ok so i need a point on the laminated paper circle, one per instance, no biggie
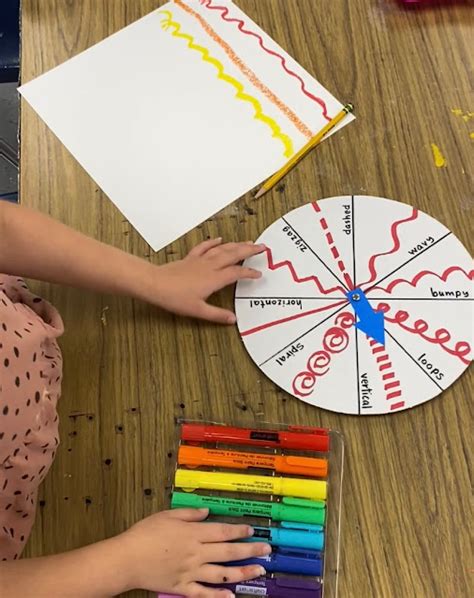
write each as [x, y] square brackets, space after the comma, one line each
[299, 326]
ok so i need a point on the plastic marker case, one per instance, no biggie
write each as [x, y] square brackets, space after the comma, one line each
[285, 481]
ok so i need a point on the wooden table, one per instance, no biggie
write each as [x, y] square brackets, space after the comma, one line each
[130, 371]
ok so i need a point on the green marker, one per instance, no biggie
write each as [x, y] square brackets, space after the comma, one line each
[299, 510]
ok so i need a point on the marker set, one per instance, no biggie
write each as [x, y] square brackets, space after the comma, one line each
[284, 481]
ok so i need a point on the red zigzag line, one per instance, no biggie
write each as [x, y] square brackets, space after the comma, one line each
[272, 266]
[420, 275]
[396, 245]
[240, 24]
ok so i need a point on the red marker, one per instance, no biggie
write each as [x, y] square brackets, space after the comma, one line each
[311, 439]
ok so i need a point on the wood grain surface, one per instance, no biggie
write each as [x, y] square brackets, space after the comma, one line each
[130, 370]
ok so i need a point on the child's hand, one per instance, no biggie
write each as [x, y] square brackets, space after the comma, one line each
[173, 551]
[183, 287]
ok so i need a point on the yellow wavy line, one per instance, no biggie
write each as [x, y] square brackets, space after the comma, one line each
[168, 22]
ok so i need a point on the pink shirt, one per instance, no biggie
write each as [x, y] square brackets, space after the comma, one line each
[30, 386]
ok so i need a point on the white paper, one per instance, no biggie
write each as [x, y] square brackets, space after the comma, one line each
[298, 325]
[164, 137]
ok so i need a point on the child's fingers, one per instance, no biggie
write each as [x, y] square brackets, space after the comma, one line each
[187, 514]
[234, 273]
[204, 247]
[235, 551]
[225, 532]
[219, 574]
[233, 253]
[215, 314]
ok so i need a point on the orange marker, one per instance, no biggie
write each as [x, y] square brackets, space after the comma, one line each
[194, 456]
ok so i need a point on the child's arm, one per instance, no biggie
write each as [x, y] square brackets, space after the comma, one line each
[35, 246]
[168, 552]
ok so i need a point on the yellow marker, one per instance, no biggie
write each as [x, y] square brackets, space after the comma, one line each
[273, 180]
[231, 482]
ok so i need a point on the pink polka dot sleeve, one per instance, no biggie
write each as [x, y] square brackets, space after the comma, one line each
[30, 386]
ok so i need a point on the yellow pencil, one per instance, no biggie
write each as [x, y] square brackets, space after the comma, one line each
[273, 180]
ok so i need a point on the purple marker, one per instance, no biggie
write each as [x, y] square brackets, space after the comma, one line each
[277, 587]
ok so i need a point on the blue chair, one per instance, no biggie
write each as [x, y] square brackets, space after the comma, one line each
[9, 40]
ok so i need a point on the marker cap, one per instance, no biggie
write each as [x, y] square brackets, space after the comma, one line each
[193, 432]
[304, 466]
[314, 489]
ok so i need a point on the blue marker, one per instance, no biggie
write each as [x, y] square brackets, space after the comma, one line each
[293, 535]
[298, 561]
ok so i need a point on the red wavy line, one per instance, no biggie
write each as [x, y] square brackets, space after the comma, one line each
[272, 266]
[396, 245]
[289, 318]
[240, 25]
[420, 275]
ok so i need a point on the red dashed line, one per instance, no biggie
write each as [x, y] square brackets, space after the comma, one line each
[392, 388]
[348, 281]
[334, 251]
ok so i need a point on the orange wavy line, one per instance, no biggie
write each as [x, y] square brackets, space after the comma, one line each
[251, 76]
